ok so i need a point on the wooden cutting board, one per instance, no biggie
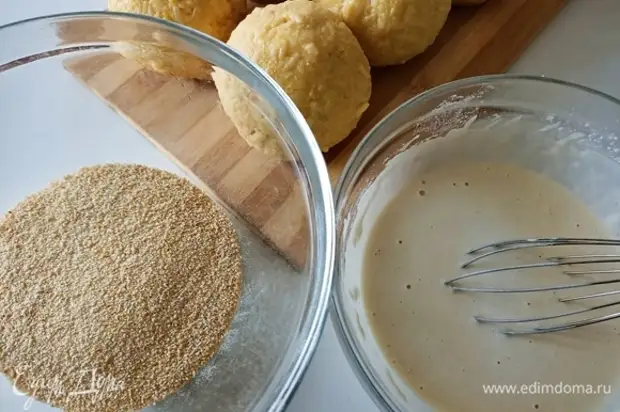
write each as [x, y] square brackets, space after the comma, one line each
[184, 119]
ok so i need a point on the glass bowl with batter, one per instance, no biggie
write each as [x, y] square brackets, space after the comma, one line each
[466, 164]
[69, 99]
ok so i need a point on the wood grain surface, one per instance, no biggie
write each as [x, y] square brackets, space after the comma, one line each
[184, 119]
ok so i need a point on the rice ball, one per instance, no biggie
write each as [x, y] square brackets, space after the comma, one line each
[213, 17]
[311, 53]
[392, 31]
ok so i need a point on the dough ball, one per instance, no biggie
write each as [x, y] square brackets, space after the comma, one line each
[214, 17]
[392, 31]
[314, 57]
[467, 2]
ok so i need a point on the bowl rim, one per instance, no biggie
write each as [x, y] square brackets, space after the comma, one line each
[321, 209]
[356, 162]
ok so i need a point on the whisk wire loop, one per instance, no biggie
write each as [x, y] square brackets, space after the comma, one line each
[483, 252]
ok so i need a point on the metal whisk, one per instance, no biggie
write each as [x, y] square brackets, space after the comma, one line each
[479, 254]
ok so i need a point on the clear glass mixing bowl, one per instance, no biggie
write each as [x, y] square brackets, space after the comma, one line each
[67, 100]
[567, 132]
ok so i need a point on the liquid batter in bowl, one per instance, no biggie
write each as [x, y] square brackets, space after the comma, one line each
[426, 331]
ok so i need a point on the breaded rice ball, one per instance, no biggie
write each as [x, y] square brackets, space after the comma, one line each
[392, 31]
[214, 17]
[314, 57]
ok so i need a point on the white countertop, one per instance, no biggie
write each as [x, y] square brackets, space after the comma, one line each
[582, 45]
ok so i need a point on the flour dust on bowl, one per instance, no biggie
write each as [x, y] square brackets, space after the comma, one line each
[149, 258]
[466, 164]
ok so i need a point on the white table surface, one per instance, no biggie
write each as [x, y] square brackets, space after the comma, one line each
[582, 45]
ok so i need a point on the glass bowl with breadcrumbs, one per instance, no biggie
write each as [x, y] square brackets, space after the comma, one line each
[154, 253]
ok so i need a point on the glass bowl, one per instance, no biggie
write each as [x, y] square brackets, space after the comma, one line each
[564, 131]
[69, 100]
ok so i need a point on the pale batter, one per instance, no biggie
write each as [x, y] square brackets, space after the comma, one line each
[426, 331]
